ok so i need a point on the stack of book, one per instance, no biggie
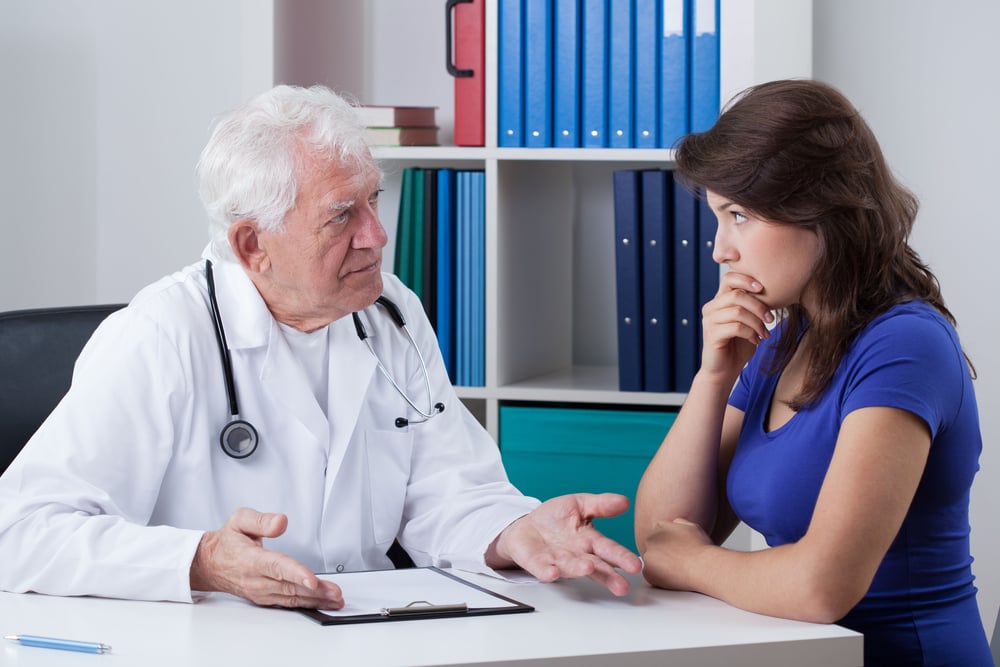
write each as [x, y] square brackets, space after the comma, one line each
[400, 126]
[441, 255]
[606, 73]
[664, 237]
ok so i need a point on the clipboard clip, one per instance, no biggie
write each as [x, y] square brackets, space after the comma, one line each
[425, 608]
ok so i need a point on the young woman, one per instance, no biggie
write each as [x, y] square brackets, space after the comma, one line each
[834, 410]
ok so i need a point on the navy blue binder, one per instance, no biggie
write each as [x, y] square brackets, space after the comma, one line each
[686, 311]
[594, 74]
[510, 74]
[628, 279]
[621, 41]
[657, 278]
[566, 74]
[708, 269]
[537, 74]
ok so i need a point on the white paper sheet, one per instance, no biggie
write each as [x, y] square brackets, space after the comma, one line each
[371, 592]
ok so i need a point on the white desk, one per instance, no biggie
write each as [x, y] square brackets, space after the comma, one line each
[575, 623]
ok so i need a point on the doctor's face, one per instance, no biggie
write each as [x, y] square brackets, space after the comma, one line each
[327, 261]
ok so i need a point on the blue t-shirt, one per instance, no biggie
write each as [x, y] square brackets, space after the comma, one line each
[921, 608]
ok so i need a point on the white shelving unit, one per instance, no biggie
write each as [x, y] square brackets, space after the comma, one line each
[550, 281]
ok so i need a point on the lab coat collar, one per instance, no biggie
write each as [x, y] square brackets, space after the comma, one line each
[249, 324]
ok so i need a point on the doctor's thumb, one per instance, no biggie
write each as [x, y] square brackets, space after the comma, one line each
[258, 524]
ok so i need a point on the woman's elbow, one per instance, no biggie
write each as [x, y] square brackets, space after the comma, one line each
[827, 599]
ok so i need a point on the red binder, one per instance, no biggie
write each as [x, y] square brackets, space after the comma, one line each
[467, 68]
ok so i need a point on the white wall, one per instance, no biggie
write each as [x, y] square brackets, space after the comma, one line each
[924, 76]
[106, 106]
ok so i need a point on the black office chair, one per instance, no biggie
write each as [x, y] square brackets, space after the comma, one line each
[38, 348]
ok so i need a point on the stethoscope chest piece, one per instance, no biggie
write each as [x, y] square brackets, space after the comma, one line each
[239, 439]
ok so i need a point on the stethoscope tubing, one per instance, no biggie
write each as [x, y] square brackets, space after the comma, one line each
[247, 444]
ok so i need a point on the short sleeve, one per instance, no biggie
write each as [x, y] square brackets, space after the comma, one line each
[911, 361]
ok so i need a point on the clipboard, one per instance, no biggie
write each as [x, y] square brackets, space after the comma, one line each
[409, 594]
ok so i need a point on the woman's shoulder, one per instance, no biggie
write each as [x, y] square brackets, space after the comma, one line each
[913, 322]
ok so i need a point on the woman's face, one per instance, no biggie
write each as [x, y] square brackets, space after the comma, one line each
[780, 257]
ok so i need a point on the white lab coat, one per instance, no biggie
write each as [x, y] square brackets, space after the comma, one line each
[112, 494]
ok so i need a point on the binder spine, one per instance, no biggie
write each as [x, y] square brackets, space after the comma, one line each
[510, 78]
[538, 73]
[566, 74]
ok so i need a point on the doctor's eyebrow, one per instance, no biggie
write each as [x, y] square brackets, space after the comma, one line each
[340, 205]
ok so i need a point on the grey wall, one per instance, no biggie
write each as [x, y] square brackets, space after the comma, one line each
[924, 74]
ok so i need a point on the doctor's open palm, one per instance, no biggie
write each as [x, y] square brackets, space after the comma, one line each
[233, 560]
[557, 540]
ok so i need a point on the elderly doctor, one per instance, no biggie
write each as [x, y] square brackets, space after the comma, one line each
[139, 485]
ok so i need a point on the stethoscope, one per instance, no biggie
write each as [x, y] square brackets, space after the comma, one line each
[239, 438]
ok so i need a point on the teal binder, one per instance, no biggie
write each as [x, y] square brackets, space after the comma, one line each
[550, 452]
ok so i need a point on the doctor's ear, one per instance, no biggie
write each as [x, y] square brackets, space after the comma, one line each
[244, 239]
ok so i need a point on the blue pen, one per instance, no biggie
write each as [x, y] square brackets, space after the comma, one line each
[64, 644]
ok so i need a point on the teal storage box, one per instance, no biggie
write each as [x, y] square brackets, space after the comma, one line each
[551, 451]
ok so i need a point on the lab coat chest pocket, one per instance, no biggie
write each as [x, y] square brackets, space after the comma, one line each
[388, 456]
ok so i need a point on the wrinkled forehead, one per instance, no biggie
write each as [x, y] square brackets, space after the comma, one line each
[358, 162]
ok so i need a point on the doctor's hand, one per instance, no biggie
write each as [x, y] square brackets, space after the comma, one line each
[557, 540]
[233, 560]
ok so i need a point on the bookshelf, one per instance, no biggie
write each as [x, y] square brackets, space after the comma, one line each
[550, 279]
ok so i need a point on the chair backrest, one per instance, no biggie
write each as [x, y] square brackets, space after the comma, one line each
[38, 349]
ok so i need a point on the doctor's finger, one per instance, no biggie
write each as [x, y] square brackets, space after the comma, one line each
[616, 555]
[611, 579]
[267, 592]
[601, 505]
[594, 568]
[285, 569]
[257, 524]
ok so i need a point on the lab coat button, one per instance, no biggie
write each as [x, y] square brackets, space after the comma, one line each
[340, 568]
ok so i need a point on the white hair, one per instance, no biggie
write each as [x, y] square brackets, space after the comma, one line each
[249, 167]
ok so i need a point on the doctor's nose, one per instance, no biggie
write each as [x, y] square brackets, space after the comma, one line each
[371, 233]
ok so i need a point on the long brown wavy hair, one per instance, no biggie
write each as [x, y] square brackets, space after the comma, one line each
[797, 152]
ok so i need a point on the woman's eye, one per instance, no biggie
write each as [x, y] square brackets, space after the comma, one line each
[738, 217]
